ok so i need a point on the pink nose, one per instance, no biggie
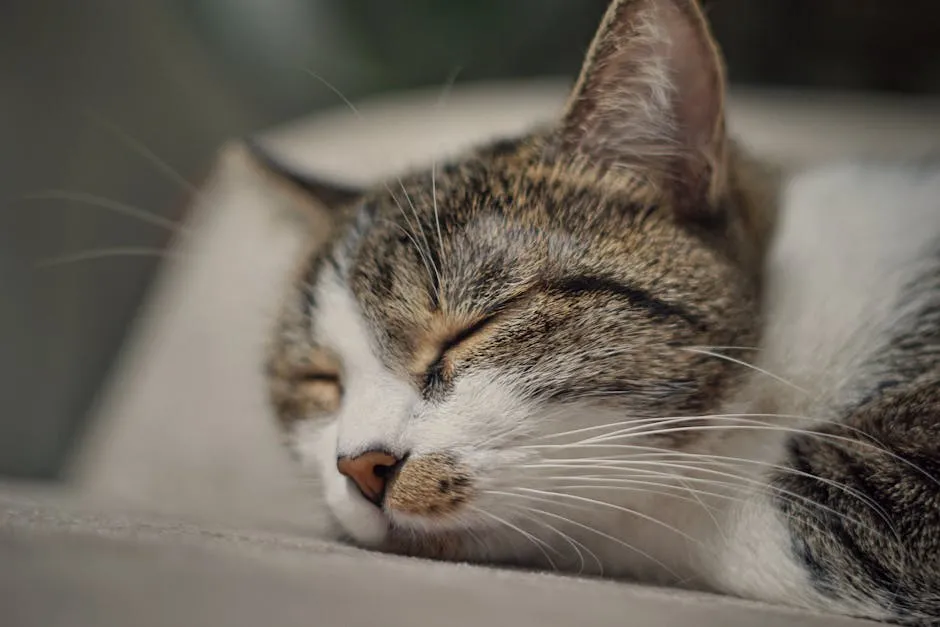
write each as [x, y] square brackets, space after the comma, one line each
[370, 472]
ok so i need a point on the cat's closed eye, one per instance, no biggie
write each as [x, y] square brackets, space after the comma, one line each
[323, 387]
[441, 367]
[458, 341]
[310, 388]
[319, 379]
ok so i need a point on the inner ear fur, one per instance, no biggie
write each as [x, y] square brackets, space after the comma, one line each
[651, 96]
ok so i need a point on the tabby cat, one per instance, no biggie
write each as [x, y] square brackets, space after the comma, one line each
[618, 346]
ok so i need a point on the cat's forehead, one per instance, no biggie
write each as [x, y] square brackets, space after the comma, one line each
[468, 232]
[436, 250]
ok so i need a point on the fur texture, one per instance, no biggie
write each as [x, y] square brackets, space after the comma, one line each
[577, 346]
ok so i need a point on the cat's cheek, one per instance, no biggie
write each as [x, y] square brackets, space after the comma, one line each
[360, 519]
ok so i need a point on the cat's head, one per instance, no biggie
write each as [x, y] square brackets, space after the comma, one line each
[470, 329]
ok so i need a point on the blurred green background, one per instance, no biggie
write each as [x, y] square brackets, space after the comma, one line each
[182, 76]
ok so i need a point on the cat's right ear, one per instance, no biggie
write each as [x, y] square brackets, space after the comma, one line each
[651, 96]
[314, 193]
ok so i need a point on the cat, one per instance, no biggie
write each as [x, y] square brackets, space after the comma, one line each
[620, 346]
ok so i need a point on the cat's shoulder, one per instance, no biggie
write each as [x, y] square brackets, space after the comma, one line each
[890, 188]
[852, 239]
[882, 210]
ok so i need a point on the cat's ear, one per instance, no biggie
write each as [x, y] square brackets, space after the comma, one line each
[311, 191]
[651, 95]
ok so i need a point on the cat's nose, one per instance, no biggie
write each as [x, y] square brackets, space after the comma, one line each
[370, 472]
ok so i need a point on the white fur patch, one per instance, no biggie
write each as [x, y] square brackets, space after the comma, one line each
[358, 517]
[851, 238]
[376, 404]
[755, 559]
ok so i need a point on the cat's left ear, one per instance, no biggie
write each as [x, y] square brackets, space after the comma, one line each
[651, 96]
[318, 193]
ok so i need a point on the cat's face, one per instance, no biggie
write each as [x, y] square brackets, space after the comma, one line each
[471, 330]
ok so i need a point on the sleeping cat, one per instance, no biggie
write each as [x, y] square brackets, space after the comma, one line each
[619, 346]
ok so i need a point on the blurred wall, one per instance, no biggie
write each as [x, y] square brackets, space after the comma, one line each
[132, 64]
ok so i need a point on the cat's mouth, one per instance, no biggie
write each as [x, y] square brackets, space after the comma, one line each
[428, 487]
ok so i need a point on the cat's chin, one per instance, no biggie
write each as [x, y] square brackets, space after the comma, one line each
[358, 518]
[363, 524]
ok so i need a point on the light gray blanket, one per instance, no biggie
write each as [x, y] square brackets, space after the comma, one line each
[62, 566]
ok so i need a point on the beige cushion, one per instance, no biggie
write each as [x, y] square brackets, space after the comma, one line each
[63, 566]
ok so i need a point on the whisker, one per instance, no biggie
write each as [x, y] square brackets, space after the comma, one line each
[333, 89]
[656, 452]
[737, 480]
[590, 529]
[501, 435]
[635, 485]
[697, 496]
[740, 420]
[437, 222]
[537, 542]
[448, 86]
[442, 98]
[414, 242]
[137, 146]
[494, 534]
[427, 243]
[626, 510]
[640, 477]
[473, 534]
[102, 253]
[867, 442]
[797, 500]
[634, 424]
[429, 263]
[584, 547]
[104, 203]
[699, 460]
[574, 544]
[741, 362]
[434, 277]
[621, 423]
[866, 439]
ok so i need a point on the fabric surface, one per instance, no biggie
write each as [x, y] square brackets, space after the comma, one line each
[64, 567]
[183, 508]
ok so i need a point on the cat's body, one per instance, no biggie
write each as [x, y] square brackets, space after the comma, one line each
[539, 354]
[853, 319]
